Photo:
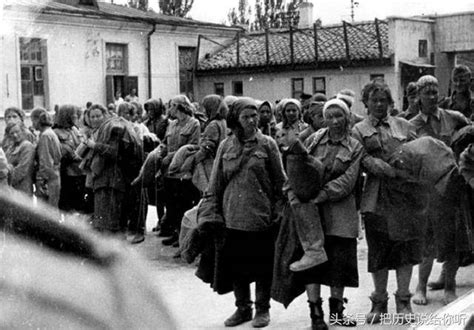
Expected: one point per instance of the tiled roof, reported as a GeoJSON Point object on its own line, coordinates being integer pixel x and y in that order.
{"type": "Point", "coordinates": [362, 40]}
{"type": "Point", "coordinates": [104, 10]}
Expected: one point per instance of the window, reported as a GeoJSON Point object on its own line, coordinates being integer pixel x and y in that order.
{"type": "Point", "coordinates": [423, 48]}
{"type": "Point", "coordinates": [297, 87]}
{"type": "Point", "coordinates": [237, 88]}
{"type": "Point", "coordinates": [186, 67]}
{"type": "Point", "coordinates": [33, 72]}
{"type": "Point", "coordinates": [116, 57]}
{"type": "Point", "coordinates": [319, 85]}
{"type": "Point", "coordinates": [219, 88]}
{"type": "Point", "coordinates": [377, 76]}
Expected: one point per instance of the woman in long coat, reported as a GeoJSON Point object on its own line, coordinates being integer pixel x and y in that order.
{"type": "Point", "coordinates": [48, 157]}
{"type": "Point", "coordinates": [214, 132]}
{"type": "Point", "coordinates": [245, 189]}
{"type": "Point", "coordinates": [117, 152]}
{"type": "Point", "coordinates": [389, 246]}
{"type": "Point", "coordinates": [21, 156]}
{"type": "Point", "coordinates": [72, 177]}
{"type": "Point", "coordinates": [340, 155]}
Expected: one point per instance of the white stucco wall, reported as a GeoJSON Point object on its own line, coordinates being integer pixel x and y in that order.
{"type": "Point", "coordinates": [76, 62]}
{"type": "Point", "coordinates": [275, 86]}
{"type": "Point", "coordinates": [165, 44]}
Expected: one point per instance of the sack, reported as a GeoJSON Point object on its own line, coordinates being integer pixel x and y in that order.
{"type": "Point", "coordinates": [189, 221]}
{"type": "Point", "coordinates": [202, 174]}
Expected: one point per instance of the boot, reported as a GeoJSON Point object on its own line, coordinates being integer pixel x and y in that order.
{"type": "Point", "coordinates": [379, 307]}
{"type": "Point", "coordinates": [170, 240]}
{"type": "Point", "coordinates": [439, 283]}
{"type": "Point", "coordinates": [317, 315]}
{"type": "Point", "coordinates": [404, 307]}
{"type": "Point", "coordinates": [306, 262]}
{"type": "Point", "coordinates": [261, 319]}
{"type": "Point", "coordinates": [241, 315]}
{"type": "Point", "coordinates": [336, 315]}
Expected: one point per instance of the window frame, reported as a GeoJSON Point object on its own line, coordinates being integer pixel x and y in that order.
{"type": "Point", "coordinates": [234, 83]}
{"type": "Point", "coordinates": [109, 47]}
{"type": "Point", "coordinates": [315, 90]}
{"type": "Point", "coordinates": [422, 48]}
{"type": "Point", "coordinates": [221, 85]}
{"type": "Point", "coordinates": [294, 91]}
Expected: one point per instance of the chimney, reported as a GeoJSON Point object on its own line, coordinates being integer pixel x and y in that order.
{"type": "Point", "coordinates": [306, 15]}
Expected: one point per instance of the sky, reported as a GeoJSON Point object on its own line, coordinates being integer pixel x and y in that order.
{"type": "Point", "coordinates": [334, 11]}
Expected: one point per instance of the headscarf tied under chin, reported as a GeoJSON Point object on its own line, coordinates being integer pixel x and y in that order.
{"type": "Point", "coordinates": [283, 104]}
{"type": "Point", "coordinates": [185, 105]}
{"type": "Point", "coordinates": [214, 107]}
{"type": "Point", "coordinates": [237, 107]}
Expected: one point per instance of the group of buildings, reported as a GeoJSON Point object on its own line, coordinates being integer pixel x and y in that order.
{"type": "Point", "coordinates": [74, 51]}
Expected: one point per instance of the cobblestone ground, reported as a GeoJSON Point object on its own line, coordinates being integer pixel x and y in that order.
{"type": "Point", "coordinates": [196, 306]}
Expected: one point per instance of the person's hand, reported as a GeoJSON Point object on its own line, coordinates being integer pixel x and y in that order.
{"type": "Point", "coordinates": [90, 143]}
{"type": "Point", "coordinates": [382, 168]}
{"type": "Point", "coordinates": [320, 198]}
{"type": "Point", "coordinates": [293, 199]}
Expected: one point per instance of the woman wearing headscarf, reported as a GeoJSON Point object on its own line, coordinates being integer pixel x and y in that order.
{"type": "Point", "coordinates": [266, 119]}
{"type": "Point", "coordinates": [95, 116]}
{"type": "Point", "coordinates": [291, 125]}
{"type": "Point", "coordinates": [16, 115]}
{"type": "Point", "coordinates": [214, 132]}
{"type": "Point", "coordinates": [245, 189]}
{"type": "Point", "coordinates": [389, 246]}
{"type": "Point", "coordinates": [72, 176]}
{"type": "Point", "coordinates": [180, 193]}
{"type": "Point", "coordinates": [48, 158]}
{"type": "Point", "coordinates": [116, 160]}
{"type": "Point", "coordinates": [21, 156]}
{"type": "Point", "coordinates": [340, 155]}
{"type": "Point", "coordinates": [315, 119]}
{"type": "Point", "coordinates": [156, 121]}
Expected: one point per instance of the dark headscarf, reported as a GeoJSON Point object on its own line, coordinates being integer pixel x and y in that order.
{"type": "Point", "coordinates": [63, 118]}
{"type": "Point", "coordinates": [184, 105]}
{"type": "Point", "coordinates": [237, 107]}
{"type": "Point", "coordinates": [214, 107]}
{"type": "Point", "coordinates": [154, 106]}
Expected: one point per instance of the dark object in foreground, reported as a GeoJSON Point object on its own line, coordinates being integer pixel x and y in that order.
{"type": "Point", "coordinates": [304, 172]}
{"type": "Point", "coordinates": [57, 275]}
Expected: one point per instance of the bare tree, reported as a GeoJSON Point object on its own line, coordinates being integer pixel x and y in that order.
{"type": "Point", "coordinates": [138, 4]}
{"type": "Point", "coordinates": [178, 8]}
{"type": "Point", "coordinates": [267, 14]}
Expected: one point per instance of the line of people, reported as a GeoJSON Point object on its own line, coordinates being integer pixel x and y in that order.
{"type": "Point", "coordinates": [261, 218]}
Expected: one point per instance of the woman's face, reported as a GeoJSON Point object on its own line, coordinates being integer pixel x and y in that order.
{"type": "Point", "coordinates": [428, 96]}
{"type": "Point", "coordinates": [336, 120]}
{"type": "Point", "coordinates": [317, 118]}
{"type": "Point", "coordinates": [291, 113]}
{"type": "Point", "coordinates": [12, 117]}
{"type": "Point", "coordinates": [378, 103]}
{"type": "Point", "coordinates": [74, 118]}
{"type": "Point", "coordinates": [265, 114]}
{"type": "Point", "coordinates": [248, 119]}
{"type": "Point", "coordinates": [96, 117]}
{"type": "Point", "coordinates": [17, 134]}
{"type": "Point", "coordinates": [461, 82]}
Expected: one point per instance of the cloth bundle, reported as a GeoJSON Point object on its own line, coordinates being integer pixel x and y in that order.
{"type": "Point", "coordinates": [304, 172]}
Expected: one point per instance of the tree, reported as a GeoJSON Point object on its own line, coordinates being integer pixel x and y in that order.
{"type": "Point", "coordinates": [267, 14]}
{"type": "Point", "coordinates": [138, 4]}
{"type": "Point", "coordinates": [178, 8]}
{"type": "Point", "coordinates": [241, 15]}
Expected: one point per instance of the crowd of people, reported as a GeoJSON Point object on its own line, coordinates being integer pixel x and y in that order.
{"type": "Point", "coordinates": [281, 190]}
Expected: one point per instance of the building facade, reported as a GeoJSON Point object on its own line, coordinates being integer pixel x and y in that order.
{"type": "Point", "coordinates": [277, 64]}
{"type": "Point", "coordinates": [74, 51]}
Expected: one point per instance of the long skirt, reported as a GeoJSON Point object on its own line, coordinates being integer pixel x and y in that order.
{"type": "Point", "coordinates": [385, 253]}
{"type": "Point", "coordinates": [248, 256]}
{"type": "Point", "coordinates": [341, 268]}
{"type": "Point", "coordinates": [108, 210]}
